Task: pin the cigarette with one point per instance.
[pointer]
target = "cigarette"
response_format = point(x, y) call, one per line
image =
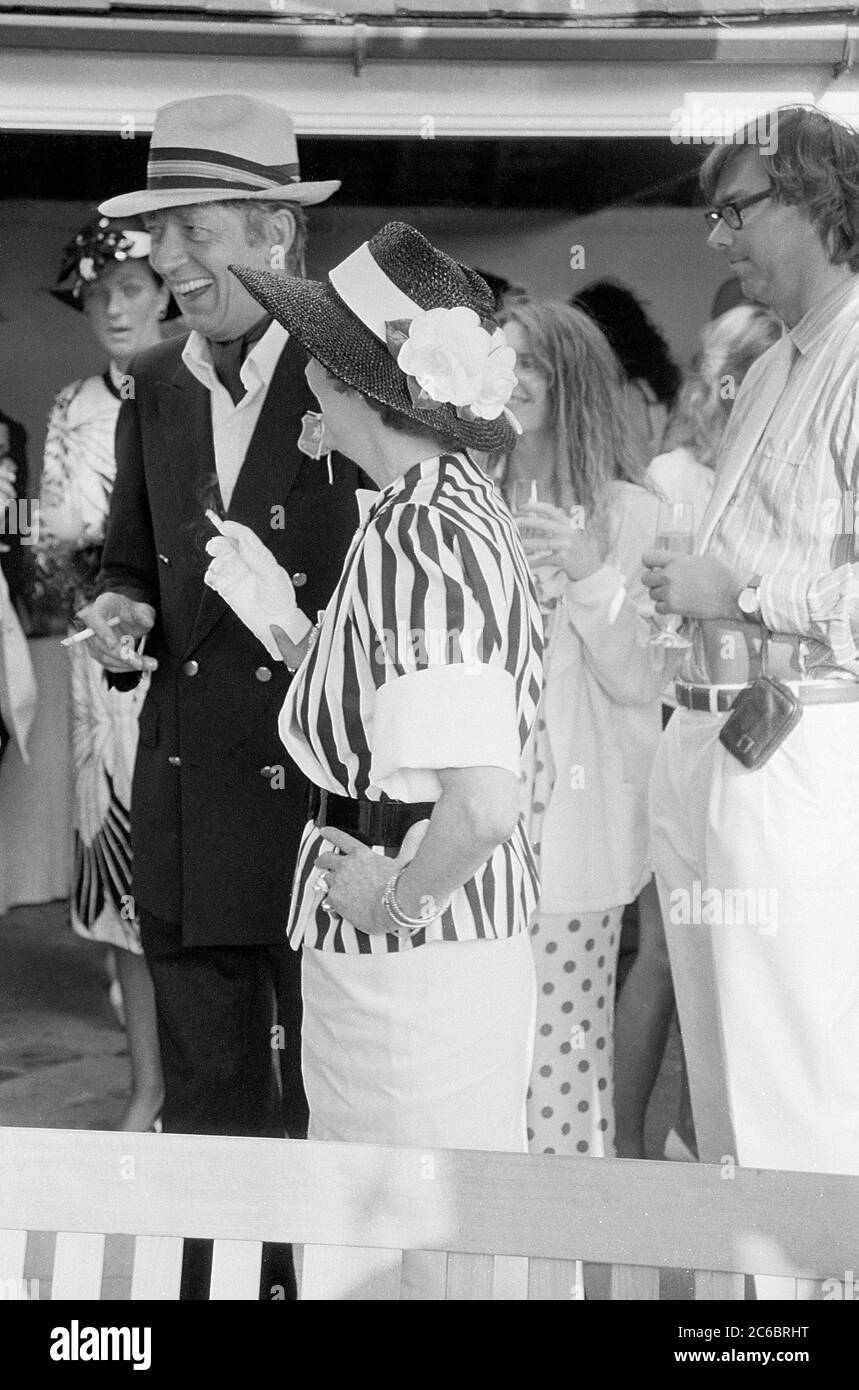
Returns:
point(215, 520)
point(85, 633)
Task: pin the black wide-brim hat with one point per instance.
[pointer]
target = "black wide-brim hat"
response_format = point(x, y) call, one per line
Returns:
point(404, 270)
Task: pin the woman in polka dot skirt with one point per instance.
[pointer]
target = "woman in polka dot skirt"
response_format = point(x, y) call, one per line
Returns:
point(599, 722)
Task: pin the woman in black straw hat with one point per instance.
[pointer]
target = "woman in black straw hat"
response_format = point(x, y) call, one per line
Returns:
point(105, 274)
point(413, 700)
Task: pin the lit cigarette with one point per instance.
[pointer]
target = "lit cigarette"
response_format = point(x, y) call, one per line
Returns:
point(216, 521)
point(85, 633)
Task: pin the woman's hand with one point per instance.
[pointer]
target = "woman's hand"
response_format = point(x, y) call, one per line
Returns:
point(293, 653)
point(356, 877)
point(247, 576)
point(555, 539)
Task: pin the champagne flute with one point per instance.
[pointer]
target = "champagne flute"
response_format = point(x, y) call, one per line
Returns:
point(675, 532)
point(524, 492)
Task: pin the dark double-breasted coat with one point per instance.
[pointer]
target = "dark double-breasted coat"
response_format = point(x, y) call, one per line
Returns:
point(217, 806)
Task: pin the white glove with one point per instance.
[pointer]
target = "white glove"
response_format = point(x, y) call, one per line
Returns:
point(259, 591)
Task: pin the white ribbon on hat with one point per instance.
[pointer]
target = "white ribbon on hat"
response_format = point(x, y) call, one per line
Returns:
point(374, 299)
point(371, 295)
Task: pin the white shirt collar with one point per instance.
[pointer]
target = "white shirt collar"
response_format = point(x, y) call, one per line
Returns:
point(257, 369)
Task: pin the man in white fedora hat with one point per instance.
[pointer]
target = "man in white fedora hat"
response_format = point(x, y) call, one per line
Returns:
point(214, 424)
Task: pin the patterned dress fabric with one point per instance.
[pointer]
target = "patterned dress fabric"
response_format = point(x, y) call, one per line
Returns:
point(77, 481)
point(570, 1101)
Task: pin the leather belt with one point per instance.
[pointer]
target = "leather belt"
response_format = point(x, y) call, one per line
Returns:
point(372, 822)
point(718, 699)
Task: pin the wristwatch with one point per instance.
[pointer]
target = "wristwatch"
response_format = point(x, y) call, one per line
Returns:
point(749, 602)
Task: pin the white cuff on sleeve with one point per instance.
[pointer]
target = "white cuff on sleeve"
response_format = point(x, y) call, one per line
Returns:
point(596, 588)
point(446, 716)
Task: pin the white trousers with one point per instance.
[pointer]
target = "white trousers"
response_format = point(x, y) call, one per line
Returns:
point(758, 877)
point(429, 1048)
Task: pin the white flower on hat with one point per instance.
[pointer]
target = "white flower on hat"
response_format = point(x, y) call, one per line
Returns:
point(86, 268)
point(456, 361)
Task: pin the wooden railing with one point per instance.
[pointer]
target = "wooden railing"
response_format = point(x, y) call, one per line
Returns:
point(637, 1217)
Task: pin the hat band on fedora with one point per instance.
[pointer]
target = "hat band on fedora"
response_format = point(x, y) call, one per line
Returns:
point(372, 297)
point(176, 167)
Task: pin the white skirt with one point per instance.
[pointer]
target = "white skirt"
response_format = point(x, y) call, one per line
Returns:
point(429, 1048)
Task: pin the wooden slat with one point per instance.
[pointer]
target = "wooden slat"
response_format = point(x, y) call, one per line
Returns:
point(235, 1270)
point(78, 1264)
point(13, 1252)
point(634, 1282)
point(711, 1285)
point(554, 1207)
point(469, 1278)
point(557, 1281)
point(338, 1274)
point(809, 1290)
point(157, 1271)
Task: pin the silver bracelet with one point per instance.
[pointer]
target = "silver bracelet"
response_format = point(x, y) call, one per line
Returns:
point(404, 925)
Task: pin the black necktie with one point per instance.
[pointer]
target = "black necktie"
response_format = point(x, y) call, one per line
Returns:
point(227, 358)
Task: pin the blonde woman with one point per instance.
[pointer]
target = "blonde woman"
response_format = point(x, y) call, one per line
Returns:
point(728, 347)
point(598, 722)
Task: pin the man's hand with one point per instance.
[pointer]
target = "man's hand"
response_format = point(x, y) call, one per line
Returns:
point(354, 879)
point(696, 586)
point(114, 645)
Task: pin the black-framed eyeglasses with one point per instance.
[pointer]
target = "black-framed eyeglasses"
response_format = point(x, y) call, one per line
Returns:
point(732, 213)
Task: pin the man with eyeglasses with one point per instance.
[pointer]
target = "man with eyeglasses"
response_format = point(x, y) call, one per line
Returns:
point(758, 868)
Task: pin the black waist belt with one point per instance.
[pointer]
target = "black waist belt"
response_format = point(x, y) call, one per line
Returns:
point(373, 822)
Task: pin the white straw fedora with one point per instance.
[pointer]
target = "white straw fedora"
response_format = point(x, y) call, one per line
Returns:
point(210, 149)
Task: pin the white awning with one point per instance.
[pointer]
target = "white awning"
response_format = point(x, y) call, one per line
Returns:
point(428, 80)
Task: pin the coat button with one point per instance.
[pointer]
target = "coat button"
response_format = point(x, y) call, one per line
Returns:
point(263, 673)
point(174, 761)
point(298, 580)
point(191, 668)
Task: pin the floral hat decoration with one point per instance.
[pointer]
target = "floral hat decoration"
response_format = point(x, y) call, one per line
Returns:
point(405, 324)
point(98, 244)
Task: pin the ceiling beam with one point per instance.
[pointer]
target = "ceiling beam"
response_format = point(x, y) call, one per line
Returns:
point(489, 40)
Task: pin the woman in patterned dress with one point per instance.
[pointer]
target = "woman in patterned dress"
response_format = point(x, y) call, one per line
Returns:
point(124, 300)
point(599, 719)
point(409, 713)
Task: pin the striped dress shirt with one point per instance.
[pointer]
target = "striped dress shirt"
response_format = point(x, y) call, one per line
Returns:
point(790, 517)
point(428, 657)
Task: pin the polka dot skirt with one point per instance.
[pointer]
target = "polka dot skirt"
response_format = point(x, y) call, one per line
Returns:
point(570, 1100)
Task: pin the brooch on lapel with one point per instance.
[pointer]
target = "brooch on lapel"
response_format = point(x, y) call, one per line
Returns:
point(312, 440)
